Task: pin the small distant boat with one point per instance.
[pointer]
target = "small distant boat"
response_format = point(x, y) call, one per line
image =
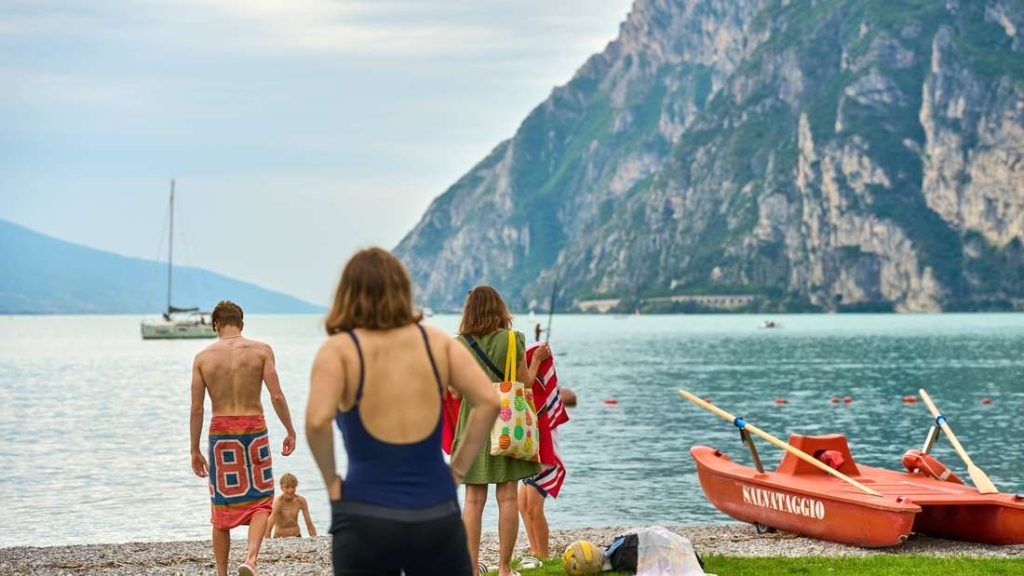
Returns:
point(770, 324)
point(427, 312)
point(801, 498)
point(176, 323)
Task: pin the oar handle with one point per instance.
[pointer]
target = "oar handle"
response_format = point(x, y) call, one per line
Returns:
point(778, 443)
point(707, 406)
point(941, 421)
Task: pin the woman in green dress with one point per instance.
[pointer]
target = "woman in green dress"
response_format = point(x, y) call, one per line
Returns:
point(486, 323)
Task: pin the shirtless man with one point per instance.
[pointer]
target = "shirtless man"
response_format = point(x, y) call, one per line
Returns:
point(232, 370)
point(285, 517)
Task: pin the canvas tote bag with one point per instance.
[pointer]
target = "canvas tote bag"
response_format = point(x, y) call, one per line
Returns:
point(515, 431)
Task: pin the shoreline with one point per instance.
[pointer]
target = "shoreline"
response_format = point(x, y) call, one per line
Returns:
point(301, 556)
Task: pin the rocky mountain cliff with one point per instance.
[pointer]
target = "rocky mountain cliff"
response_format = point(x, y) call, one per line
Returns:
point(759, 155)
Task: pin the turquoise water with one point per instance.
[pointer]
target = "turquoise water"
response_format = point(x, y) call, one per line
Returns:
point(95, 421)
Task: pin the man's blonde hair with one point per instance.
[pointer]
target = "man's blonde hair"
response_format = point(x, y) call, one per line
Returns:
point(289, 479)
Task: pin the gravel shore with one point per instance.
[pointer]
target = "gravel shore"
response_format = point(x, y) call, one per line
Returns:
point(312, 555)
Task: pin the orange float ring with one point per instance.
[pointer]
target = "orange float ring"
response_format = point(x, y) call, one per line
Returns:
point(910, 399)
point(781, 401)
point(611, 401)
point(917, 462)
point(847, 399)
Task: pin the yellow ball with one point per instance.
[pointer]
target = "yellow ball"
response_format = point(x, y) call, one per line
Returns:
point(582, 558)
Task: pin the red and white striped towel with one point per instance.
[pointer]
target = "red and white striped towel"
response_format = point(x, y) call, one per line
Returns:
point(551, 414)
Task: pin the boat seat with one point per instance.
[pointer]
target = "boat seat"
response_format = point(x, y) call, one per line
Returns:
point(791, 464)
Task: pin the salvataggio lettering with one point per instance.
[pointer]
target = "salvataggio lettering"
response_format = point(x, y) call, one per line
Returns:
point(799, 505)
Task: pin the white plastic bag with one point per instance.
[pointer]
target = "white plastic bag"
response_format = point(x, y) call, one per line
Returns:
point(661, 552)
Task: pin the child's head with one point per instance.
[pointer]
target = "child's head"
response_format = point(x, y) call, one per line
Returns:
point(289, 481)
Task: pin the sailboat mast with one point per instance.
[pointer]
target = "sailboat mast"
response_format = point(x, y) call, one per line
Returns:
point(170, 251)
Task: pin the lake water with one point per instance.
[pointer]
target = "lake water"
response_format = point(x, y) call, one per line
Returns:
point(95, 421)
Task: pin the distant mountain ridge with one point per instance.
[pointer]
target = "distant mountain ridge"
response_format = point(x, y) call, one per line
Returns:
point(783, 155)
point(40, 274)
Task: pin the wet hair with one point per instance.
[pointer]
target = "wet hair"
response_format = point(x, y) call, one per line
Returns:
point(227, 313)
point(374, 293)
point(289, 479)
point(484, 312)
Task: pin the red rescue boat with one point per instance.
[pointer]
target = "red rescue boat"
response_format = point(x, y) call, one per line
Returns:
point(799, 497)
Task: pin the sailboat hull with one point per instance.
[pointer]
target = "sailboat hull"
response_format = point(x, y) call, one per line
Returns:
point(176, 330)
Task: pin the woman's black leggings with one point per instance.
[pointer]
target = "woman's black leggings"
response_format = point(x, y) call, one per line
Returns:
point(372, 540)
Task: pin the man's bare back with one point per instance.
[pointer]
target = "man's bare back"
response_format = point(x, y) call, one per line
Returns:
point(234, 370)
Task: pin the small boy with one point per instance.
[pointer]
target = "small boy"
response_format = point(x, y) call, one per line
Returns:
point(284, 520)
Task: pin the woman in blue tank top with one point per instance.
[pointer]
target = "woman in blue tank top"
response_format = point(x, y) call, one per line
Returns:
point(381, 376)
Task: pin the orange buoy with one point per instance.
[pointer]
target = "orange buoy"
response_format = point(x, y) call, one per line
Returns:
point(986, 400)
point(834, 400)
point(847, 399)
point(610, 401)
point(781, 401)
point(910, 399)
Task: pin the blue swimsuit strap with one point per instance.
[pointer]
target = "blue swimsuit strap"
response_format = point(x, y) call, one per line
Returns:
point(362, 366)
point(433, 364)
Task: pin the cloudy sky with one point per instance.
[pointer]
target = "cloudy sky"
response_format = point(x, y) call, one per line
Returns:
point(297, 130)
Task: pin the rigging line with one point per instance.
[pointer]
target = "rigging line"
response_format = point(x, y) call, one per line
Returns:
point(551, 306)
point(156, 271)
point(187, 280)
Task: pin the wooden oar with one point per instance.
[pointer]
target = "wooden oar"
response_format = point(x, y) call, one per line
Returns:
point(978, 477)
point(779, 443)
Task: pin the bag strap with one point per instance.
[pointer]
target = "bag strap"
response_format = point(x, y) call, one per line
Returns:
point(482, 356)
point(510, 358)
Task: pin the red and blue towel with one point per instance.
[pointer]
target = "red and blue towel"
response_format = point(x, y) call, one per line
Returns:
point(241, 477)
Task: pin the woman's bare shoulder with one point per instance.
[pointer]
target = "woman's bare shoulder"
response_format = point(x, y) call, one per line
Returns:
point(334, 344)
point(436, 334)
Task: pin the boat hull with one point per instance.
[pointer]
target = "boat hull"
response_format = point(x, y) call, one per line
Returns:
point(176, 331)
point(756, 498)
point(909, 502)
point(988, 524)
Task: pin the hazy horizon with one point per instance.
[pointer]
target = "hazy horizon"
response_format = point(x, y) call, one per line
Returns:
point(297, 132)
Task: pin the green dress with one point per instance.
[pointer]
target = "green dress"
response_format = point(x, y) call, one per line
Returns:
point(487, 469)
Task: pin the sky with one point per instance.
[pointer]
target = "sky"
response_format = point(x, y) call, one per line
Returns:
point(297, 131)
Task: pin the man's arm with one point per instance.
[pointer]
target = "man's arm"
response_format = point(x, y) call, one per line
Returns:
point(195, 420)
point(305, 514)
point(277, 399)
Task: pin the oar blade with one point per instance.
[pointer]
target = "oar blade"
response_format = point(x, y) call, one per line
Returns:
point(981, 481)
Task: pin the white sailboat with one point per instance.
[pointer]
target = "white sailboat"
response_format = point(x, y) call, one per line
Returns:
point(176, 323)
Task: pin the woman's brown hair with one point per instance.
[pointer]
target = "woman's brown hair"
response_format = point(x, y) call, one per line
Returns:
point(374, 293)
point(484, 312)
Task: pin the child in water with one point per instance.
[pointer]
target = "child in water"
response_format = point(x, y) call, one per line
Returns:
point(284, 520)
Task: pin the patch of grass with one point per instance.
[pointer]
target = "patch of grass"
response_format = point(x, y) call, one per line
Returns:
point(553, 567)
point(880, 565)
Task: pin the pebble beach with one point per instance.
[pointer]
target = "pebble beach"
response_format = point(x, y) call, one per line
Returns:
point(311, 556)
